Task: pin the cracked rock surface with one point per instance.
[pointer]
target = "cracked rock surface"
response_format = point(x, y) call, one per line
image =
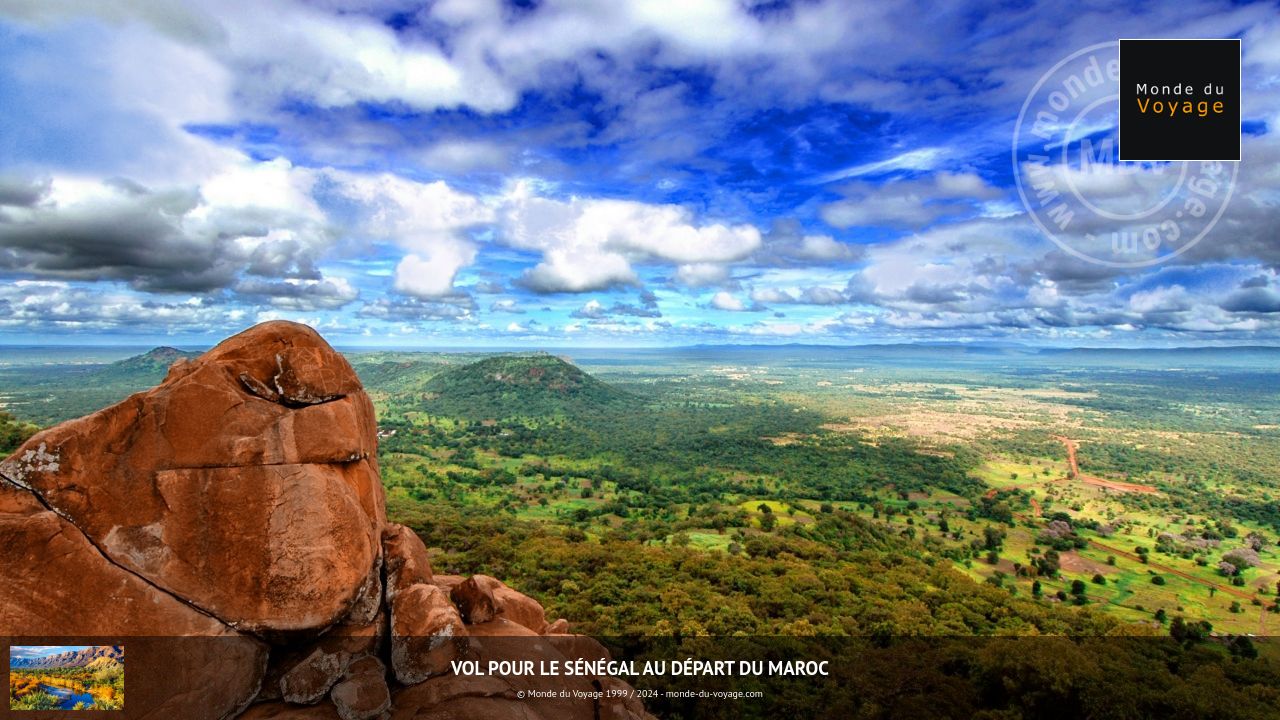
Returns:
point(229, 527)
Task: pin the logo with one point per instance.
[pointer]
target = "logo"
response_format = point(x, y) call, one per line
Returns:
point(1180, 100)
point(1082, 196)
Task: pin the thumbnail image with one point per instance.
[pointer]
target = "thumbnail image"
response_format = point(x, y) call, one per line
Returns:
point(66, 677)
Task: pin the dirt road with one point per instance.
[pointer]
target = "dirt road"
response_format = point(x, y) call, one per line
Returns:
point(1116, 485)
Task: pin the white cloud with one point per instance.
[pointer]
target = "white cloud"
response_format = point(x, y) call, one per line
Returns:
point(1173, 298)
point(338, 60)
point(505, 305)
point(591, 309)
point(427, 219)
point(299, 293)
point(727, 301)
point(275, 184)
point(771, 296)
point(696, 275)
point(38, 305)
point(431, 275)
point(566, 270)
point(919, 159)
point(589, 244)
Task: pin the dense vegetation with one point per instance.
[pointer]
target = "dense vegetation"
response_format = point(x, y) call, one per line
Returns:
point(840, 576)
point(102, 682)
point(13, 432)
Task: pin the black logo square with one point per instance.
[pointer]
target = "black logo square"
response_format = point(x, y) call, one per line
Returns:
point(1179, 100)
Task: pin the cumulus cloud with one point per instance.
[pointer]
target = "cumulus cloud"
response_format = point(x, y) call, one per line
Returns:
point(773, 296)
point(589, 244)
point(430, 220)
point(591, 310)
point(563, 270)
point(1253, 300)
point(299, 294)
point(22, 192)
point(818, 295)
point(812, 295)
point(787, 245)
point(54, 306)
point(697, 275)
point(724, 300)
point(431, 274)
point(254, 218)
point(412, 309)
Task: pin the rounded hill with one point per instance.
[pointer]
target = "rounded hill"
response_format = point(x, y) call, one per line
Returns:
point(519, 385)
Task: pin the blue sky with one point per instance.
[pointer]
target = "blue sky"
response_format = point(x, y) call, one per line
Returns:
point(592, 173)
point(27, 652)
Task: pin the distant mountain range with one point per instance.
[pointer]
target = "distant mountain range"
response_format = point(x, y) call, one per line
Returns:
point(94, 656)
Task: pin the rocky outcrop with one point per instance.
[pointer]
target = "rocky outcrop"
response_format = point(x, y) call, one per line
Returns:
point(228, 527)
point(262, 511)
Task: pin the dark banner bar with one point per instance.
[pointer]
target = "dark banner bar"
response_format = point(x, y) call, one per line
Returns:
point(733, 678)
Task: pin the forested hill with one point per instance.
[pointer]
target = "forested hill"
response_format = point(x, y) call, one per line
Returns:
point(520, 385)
point(140, 371)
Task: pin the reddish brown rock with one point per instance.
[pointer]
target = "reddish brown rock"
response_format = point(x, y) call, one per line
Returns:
point(367, 608)
point(310, 679)
point(447, 582)
point(559, 627)
point(55, 583)
point(246, 483)
point(363, 692)
point(359, 639)
point(500, 627)
point(348, 640)
point(426, 633)
point(481, 598)
point(406, 558)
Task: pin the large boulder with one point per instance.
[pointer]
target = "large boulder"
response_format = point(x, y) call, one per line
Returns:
point(245, 484)
point(407, 560)
point(427, 633)
point(363, 693)
point(481, 598)
point(309, 679)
